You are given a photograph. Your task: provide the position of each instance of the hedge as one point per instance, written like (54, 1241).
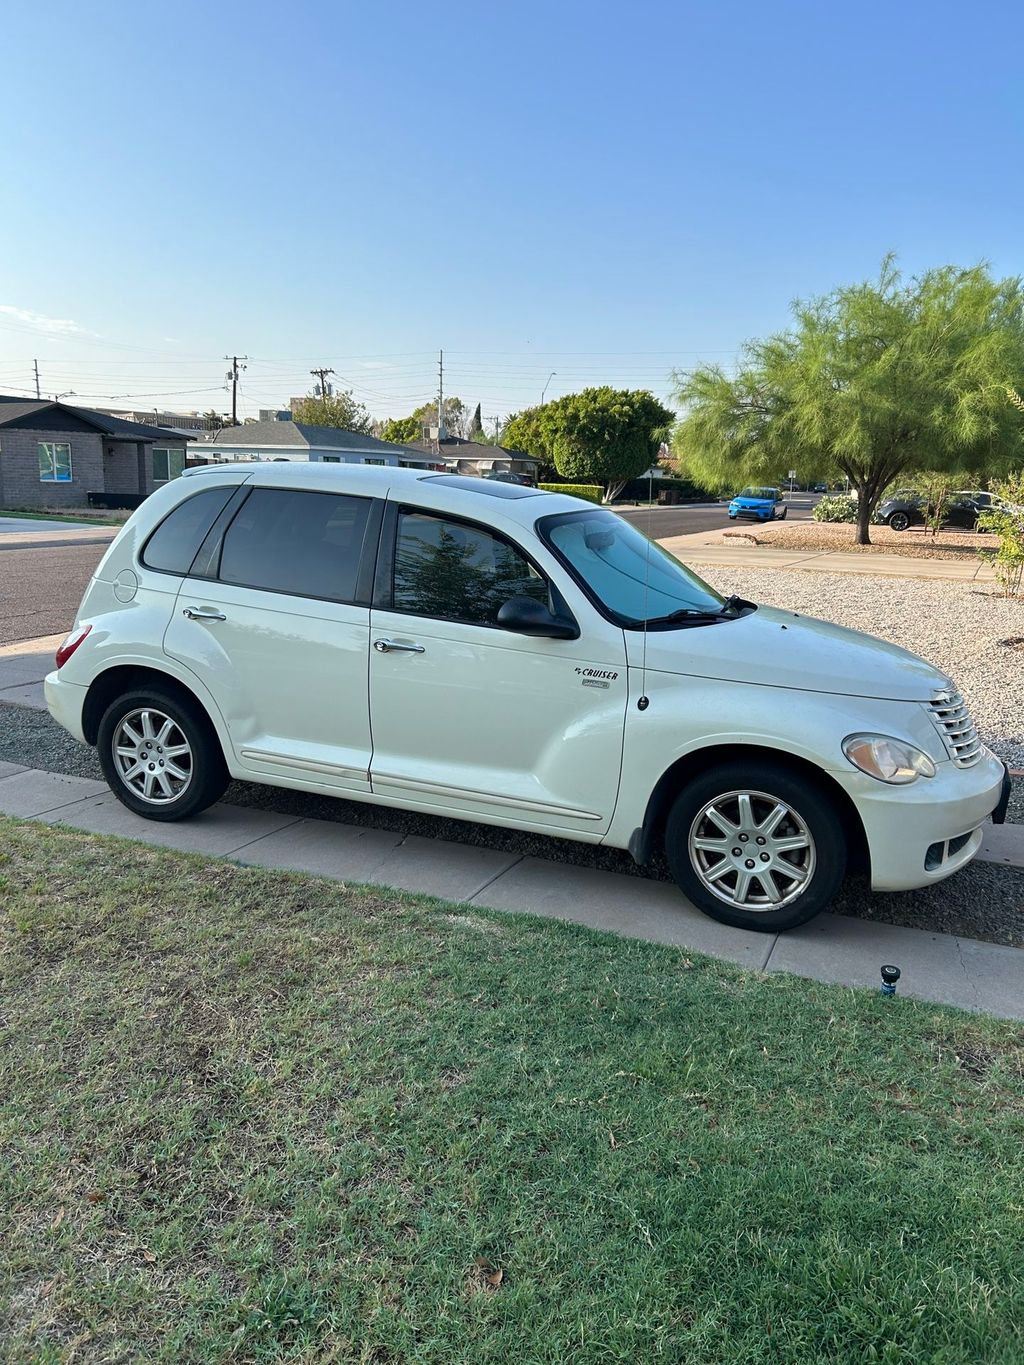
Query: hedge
(639, 489)
(591, 492)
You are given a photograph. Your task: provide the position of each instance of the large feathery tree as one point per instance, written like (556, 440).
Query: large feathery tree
(874, 381)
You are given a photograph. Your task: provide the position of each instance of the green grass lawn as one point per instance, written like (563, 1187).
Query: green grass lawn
(85, 515)
(250, 1115)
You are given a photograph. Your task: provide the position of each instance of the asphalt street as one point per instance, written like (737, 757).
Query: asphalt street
(41, 587)
(662, 522)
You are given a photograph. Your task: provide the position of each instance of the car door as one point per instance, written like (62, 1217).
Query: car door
(275, 619)
(472, 719)
(961, 510)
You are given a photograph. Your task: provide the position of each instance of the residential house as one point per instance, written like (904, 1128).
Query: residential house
(287, 440)
(55, 455)
(468, 457)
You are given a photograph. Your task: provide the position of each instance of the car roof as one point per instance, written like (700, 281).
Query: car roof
(462, 494)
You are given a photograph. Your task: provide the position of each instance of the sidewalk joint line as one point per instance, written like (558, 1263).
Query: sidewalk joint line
(771, 950)
(491, 880)
(230, 852)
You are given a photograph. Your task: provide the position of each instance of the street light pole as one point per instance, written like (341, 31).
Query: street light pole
(545, 388)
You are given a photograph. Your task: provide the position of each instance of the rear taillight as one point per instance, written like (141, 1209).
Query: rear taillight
(69, 644)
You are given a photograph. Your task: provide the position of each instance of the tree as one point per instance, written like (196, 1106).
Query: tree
(523, 433)
(335, 410)
(875, 380)
(604, 435)
(400, 430)
(410, 428)
(476, 426)
(216, 421)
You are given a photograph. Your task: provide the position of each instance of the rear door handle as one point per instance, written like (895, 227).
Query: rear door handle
(386, 646)
(198, 614)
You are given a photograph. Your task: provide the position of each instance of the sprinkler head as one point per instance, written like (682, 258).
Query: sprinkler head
(890, 975)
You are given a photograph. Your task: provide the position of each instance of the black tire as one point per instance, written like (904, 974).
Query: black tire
(782, 514)
(810, 813)
(897, 521)
(208, 775)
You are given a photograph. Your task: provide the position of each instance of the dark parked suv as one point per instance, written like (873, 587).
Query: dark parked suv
(960, 509)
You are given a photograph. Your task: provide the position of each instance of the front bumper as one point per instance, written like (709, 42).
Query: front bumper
(924, 832)
(65, 701)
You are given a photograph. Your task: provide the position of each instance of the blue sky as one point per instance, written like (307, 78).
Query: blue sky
(606, 191)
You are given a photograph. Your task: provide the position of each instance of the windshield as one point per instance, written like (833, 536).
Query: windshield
(762, 493)
(632, 577)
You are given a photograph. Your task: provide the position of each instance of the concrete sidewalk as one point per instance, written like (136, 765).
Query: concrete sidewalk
(936, 967)
(23, 666)
(701, 548)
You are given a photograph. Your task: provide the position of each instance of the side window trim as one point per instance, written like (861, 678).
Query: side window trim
(384, 574)
(362, 597)
(206, 562)
(173, 573)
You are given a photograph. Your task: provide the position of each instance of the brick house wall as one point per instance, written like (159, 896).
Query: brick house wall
(20, 484)
(121, 467)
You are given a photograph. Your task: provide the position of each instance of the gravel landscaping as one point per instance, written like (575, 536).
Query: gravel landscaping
(824, 535)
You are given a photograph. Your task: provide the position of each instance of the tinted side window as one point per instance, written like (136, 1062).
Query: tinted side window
(458, 572)
(173, 545)
(308, 544)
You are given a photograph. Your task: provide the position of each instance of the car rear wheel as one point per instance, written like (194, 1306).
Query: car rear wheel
(898, 521)
(756, 846)
(160, 755)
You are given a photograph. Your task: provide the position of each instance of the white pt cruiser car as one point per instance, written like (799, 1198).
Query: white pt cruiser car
(495, 653)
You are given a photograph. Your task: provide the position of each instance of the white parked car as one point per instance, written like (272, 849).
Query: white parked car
(482, 650)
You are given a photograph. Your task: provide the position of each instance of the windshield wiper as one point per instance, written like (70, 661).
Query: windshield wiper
(733, 603)
(682, 614)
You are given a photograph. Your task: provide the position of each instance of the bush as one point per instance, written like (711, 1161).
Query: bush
(1007, 520)
(590, 492)
(838, 508)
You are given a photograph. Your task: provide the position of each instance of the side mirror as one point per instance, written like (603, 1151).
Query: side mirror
(526, 616)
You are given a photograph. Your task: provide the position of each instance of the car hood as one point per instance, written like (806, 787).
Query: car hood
(753, 502)
(781, 649)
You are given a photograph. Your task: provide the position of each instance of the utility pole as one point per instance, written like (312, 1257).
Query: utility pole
(232, 378)
(35, 364)
(441, 431)
(323, 373)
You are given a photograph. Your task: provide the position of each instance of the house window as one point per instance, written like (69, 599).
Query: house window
(330, 459)
(168, 462)
(54, 462)
(367, 460)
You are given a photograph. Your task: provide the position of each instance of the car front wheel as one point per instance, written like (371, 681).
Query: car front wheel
(899, 521)
(160, 755)
(756, 846)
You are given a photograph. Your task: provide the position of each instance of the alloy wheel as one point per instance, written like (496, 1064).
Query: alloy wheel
(152, 755)
(752, 850)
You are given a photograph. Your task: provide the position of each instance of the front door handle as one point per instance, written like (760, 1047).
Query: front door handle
(386, 646)
(198, 614)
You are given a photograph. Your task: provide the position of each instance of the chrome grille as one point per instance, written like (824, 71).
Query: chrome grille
(954, 724)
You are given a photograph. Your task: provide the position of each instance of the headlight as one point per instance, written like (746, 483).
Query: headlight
(890, 760)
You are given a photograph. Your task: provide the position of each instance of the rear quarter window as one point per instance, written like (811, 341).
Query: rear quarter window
(176, 541)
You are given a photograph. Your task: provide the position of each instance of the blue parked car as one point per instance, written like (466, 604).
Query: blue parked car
(761, 504)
